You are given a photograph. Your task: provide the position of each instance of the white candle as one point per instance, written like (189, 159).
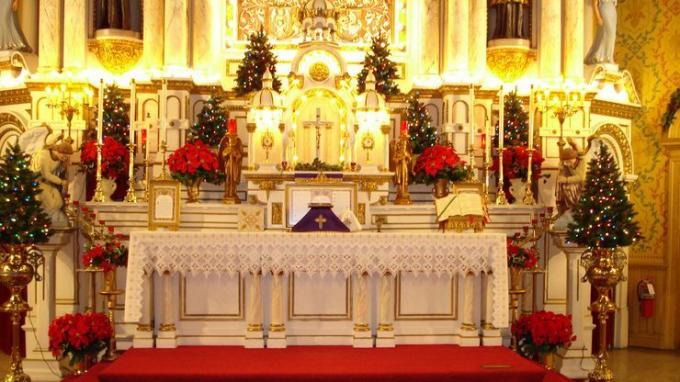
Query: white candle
(531, 117)
(164, 111)
(133, 111)
(501, 119)
(100, 113)
(473, 131)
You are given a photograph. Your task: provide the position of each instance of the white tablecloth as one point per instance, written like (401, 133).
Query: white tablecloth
(316, 254)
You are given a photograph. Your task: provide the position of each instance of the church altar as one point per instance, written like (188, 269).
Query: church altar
(343, 266)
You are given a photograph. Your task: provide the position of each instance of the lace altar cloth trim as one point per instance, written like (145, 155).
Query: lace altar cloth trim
(316, 254)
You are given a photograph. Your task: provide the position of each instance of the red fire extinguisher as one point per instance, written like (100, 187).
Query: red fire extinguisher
(646, 297)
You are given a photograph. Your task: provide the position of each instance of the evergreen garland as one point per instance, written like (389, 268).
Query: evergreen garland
(603, 217)
(419, 122)
(212, 123)
(116, 115)
(384, 69)
(671, 109)
(22, 219)
(257, 59)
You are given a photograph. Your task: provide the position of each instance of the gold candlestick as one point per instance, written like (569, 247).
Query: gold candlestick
(130, 197)
(98, 192)
(111, 292)
(529, 194)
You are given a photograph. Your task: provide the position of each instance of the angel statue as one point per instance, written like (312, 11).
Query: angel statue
(602, 50)
(49, 157)
(572, 174)
(11, 37)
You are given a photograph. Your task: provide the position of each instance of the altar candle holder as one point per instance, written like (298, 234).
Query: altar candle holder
(111, 292)
(98, 192)
(131, 197)
(529, 194)
(500, 195)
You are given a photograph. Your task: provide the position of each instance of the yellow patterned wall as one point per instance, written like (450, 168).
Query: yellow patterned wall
(648, 45)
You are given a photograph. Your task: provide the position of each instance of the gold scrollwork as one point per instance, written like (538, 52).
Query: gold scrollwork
(117, 55)
(319, 72)
(361, 213)
(509, 62)
(621, 140)
(277, 213)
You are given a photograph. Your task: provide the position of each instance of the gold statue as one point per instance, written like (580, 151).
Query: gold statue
(230, 156)
(401, 164)
(572, 174)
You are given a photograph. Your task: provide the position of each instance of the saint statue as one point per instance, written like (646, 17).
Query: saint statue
(230, 155)
(602, 50)
(572, 174)
(11, 37)
(113, 14)
(401, 161)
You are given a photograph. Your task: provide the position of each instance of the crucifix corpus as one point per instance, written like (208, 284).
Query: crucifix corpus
(318, 125)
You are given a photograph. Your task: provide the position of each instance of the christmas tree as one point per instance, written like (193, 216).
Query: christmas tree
(258, 58)
(516, 129)
(212, 123)
(384, 69)
(420, 128)
(116, 115)
(22, 219)
(603, 217)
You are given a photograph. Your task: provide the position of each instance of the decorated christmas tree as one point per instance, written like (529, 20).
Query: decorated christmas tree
(603, 217)
(116, 115)
(212, 123)
(385, 70)
(516, 129)
(22, 219)
(258, 58)
(420, 128)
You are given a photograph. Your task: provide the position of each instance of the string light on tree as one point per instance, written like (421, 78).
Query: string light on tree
(212, 123)
(420, 129)
(257, 59)
(385, 70)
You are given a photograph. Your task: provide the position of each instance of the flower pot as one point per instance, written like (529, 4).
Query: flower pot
(516, 278)
(518, 188)
(548, 360)
(441, 188)
(108, 188)
(69, 367)
(193, 191)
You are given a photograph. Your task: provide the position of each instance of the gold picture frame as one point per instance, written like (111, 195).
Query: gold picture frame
(164, 204)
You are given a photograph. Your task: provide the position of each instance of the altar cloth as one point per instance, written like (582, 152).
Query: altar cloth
(316, 253)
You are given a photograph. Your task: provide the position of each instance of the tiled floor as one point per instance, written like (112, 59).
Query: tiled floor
(638, 365)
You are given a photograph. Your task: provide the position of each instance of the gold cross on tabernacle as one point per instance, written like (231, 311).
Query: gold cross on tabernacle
(321, 221)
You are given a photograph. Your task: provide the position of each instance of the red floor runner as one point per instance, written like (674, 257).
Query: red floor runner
(327, 363)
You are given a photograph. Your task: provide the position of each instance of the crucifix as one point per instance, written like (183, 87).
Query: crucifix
(318, 124)
(320, 220)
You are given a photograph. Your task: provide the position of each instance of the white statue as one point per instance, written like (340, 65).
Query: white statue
(50, 156)
(11, 37)
(572, 174)
(602, 50)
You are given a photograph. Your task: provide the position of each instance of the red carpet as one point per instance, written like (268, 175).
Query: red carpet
(321, 363)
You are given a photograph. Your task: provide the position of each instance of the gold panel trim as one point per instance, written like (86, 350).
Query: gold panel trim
(621, 140)
(346, 316)
(184, 316)
(277, 213)
(15, 97)
(451, 315)
(613, 109)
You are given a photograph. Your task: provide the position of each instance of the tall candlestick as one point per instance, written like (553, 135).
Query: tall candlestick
(473, 129)
(98, 192)
(130, 197)
(133, 112)
(163, 111)
(500, 197)
(529, 195)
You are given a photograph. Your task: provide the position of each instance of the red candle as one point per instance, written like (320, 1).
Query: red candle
(483, 141)
(143, 136)
(232, 126)
(404, 127)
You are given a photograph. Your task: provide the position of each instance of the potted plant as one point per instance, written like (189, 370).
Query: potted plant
(439, 165)
(541, 334)
(520, 259)
(515, 169)
(193, 164)
(108, 255)
(77, 339)
(115, 159)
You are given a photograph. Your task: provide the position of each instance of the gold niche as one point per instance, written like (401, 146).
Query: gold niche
(319, 72)
(509, 62)
(117, 54)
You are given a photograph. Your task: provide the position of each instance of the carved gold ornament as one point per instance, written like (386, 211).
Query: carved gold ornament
(509, 63)
(319, 72)
(117, 54)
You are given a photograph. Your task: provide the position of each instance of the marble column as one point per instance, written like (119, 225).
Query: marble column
(50, 42)
(167, 335)
(144, 332)
(478, 31)
(277, 326)
(469, 335)
(423, 42)
(254, 331)
(205, 34)
(153, 33)
(457, 29)
(574, 39)
(362, 328)
(491, 336)
(386, 312)
(176, 33)
(75, 34)
(550, 40)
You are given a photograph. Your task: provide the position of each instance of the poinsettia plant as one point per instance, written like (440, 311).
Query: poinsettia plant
(520, 257)
(79, 335)
(543, 332)
(440, 162)
(516, 163)
(115, 158)
(107, 256)
(195, 162)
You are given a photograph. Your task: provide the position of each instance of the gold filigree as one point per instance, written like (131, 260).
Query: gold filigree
(464, 223)
(319, 72)
(117, 54)
(277, 213)
(509, 63)
(361, 213)
(621, 140)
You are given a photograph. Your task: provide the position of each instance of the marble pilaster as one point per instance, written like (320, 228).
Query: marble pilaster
(153, 33)
(457, 29)
(574, 15)
(176, 52)
(205, 33)
(477, 43)
(550, 46)
(75, 34)
(50, 42)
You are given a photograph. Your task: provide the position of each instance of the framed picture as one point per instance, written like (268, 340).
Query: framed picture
(164, 200)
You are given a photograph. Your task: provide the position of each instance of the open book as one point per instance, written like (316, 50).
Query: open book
(459, 204)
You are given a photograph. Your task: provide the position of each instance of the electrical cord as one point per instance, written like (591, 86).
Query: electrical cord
(42, 353)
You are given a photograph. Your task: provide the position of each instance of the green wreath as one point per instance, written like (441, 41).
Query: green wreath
(673, 107)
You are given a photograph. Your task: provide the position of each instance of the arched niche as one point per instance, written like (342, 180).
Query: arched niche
(620, 145)
(11, 127)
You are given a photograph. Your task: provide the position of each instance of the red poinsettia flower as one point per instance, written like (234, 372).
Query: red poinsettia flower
(440, 162)
(194, 162)
(79, 334)
(115, 158)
